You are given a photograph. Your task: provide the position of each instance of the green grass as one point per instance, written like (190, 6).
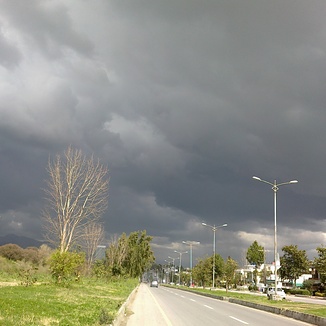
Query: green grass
(89, 302)
(308, 308)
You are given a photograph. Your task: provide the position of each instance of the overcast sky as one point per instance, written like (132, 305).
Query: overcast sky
(184, 101)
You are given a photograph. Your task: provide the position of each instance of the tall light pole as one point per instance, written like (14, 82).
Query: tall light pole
(214, 228)
(275, 188)
(180, 253)
(173, 259)
(168, 274)
(191, 243)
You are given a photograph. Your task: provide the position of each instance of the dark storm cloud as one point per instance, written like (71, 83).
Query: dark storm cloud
(184, 101)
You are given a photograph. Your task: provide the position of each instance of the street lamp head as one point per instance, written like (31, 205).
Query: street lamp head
(225, 224)
(180, 252)
(256, 178)
(204, 224)
(294, 181)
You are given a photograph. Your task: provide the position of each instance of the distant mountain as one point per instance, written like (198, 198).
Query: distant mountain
(21, 241)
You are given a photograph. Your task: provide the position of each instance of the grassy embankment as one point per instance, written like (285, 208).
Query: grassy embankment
(308, 308)
(88, 302)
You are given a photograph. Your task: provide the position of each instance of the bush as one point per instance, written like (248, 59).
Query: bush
(253, 287)
(299, 291)
(105, 318)
(319, 294)
(27, 273)
(99, 269)
(66, 265)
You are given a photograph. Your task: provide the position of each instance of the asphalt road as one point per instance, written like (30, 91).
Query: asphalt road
(167, 306)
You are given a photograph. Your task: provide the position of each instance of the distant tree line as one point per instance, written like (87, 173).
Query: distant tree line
(125, 256)
(34, 255)
(293, 263)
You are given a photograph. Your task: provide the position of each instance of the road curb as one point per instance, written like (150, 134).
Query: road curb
(311, 319)
(122, 311)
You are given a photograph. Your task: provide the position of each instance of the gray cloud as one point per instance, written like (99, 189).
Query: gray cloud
(184, 101)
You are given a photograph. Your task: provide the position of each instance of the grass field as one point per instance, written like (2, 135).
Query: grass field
(89, 302)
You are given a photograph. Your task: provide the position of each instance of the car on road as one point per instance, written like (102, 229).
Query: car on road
(154, 284)
(280, 292)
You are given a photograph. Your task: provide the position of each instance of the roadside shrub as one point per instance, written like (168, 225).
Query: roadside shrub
(100, 269)
(300, 291)
(27, 273)
(65, 266)
(253, 287)
(105, 317)
(319, 294)
(308, 285)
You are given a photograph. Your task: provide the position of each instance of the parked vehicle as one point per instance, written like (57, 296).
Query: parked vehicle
(280, 292)
(154, 284)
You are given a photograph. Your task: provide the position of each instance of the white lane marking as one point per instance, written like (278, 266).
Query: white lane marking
(192, 300)
(168, 322)
(208, 307)
(239, 320)
(182, 296)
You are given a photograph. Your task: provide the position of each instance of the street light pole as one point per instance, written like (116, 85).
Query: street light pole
(173, 259)
(275, 188)
(214, 228)
(168, 274)
(191, 243)
(180, 253)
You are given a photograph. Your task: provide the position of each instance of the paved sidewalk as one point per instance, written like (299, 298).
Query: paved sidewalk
(144, 310)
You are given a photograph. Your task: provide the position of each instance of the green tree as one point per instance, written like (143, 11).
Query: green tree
(255, 256)
(219, 266)
(116, 254)
(320, 262)
(66, 265)
(230, 267)
(139, 255)
(202, 271)
(294, 263)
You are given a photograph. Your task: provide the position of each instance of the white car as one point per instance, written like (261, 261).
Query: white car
(280, 292)
(154, 284)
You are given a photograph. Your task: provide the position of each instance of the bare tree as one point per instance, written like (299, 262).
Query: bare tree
(93, 235)
(77, 194)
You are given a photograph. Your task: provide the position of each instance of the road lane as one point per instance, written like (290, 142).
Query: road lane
(169, 306)
(145, 310)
